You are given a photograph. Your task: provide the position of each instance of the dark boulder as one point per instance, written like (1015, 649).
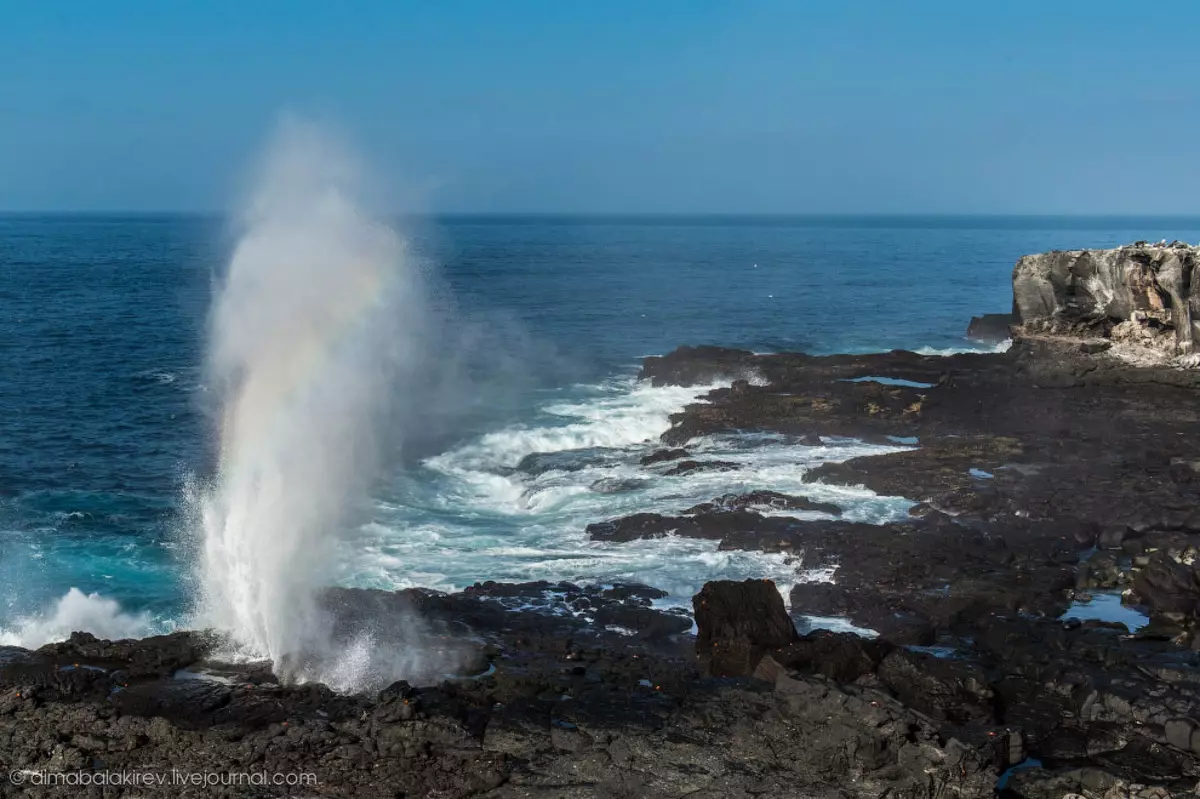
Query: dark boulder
(738, 623)
(772, 500)
(636, 526)
(664, 455)
(691, 467)
(991, 328)
(736, 529)
(1166, 585)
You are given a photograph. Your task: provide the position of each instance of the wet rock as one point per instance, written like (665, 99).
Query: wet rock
(738, 623)
(616, 485)
(765, 500)
(692, 366)
(574, 460)
(715, 525)
(908, 581)
(664, 455)
(1169, 586)
(691, 467)
(637, 526)
(646, 622)
(642, 593)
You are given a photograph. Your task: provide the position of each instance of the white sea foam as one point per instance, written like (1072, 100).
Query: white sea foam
(626, 414)
(835, 624)
(473, 517)
(1002, 346)
(78, 612)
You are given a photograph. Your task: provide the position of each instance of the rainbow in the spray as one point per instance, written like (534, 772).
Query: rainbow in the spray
(306, 331)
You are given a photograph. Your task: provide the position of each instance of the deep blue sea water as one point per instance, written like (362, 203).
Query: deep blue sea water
(104, 412)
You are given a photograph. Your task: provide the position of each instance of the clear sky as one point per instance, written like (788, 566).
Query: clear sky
(1046, 106)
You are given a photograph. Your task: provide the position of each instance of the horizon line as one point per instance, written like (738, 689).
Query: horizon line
(650, 214)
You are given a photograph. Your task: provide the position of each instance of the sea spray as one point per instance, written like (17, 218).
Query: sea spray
(312, 331)
(73, 612)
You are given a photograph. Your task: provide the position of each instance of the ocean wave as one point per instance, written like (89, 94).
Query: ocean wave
(625, 414)
(75, 611)
(162, 377)
(1002, 346)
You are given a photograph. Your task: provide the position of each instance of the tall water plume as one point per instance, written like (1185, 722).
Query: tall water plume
(313, 325)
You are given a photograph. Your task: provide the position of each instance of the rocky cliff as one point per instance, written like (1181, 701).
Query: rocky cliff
(1142, 294)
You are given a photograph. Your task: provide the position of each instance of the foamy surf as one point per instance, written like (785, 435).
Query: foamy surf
(472, 515)
(1002, 346)
(76, 611)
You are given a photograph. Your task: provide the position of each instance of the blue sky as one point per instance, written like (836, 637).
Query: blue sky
(654, 105)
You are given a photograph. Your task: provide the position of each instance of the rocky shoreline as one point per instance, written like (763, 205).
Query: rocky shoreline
(1061, 469)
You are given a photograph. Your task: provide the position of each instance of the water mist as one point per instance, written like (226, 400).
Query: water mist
(312, 330)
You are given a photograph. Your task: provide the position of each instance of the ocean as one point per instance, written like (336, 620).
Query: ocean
(530, 344)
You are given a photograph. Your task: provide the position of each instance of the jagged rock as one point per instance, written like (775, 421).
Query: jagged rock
(839, 656)
(772, 500)
(664, 455)
(1092, 696)
(155, 656)
(991, 328)
(637, 526)
(735, 529)
(692, 366)
(1167, 585)
(691, 467)
(738, 623)
(942, 688)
